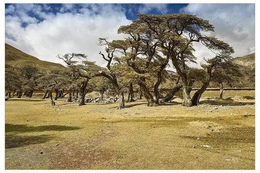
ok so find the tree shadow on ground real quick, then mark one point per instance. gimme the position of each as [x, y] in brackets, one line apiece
[14, 141]
[170, 103]
[249, 97]
[226, 102]
[26, 128]
[25, 99]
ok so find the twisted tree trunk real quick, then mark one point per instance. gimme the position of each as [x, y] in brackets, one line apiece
[171, 94]
[197, 95]
[148, 96]
[83, 92]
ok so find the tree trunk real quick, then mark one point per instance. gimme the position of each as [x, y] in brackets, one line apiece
[148, 96]
[221, 89]
[51, 98]
[19, 93]
[14, 93]
[197, 95]
[70, 96]
[8, 94]
[102, 95]
[171, 94]
[30, 94]
[45, 94]
[77, 95]
[130, 93]
[186, 96]
[61, 93]
[56, 94]
[83, 92]
[121, 100]
[140, 94]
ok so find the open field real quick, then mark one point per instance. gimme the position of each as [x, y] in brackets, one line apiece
[218, 134]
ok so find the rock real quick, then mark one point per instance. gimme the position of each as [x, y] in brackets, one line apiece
[228, 159]
[246, 115]
[57, 145]
[41, 152]
[206, 146]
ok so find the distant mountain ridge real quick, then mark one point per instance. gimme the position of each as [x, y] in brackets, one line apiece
[17, 58]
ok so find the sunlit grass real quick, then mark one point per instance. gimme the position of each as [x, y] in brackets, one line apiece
[97, 136]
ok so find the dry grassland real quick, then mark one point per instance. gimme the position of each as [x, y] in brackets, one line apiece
[218, 134]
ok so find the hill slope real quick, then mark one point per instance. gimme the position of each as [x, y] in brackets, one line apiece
[246, 61]
[247, 67]
[15, 57]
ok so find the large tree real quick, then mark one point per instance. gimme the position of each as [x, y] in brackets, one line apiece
[80, 74]
[174, 35]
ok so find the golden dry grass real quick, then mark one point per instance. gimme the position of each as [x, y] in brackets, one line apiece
[95, 136]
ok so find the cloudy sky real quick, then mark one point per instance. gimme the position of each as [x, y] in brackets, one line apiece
[46, 30]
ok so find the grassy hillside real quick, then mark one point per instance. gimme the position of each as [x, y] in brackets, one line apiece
[246, 61]
[15, 57]
[247, 67]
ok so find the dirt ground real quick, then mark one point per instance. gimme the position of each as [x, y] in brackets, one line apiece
[218, 134]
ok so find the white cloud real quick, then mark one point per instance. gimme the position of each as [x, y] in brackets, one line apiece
[234, 24]
[162, 8]
[66, 32]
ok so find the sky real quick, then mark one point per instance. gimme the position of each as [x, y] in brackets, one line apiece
[46, 30]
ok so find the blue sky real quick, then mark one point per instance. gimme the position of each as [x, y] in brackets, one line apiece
[46, 30]
[131, 10]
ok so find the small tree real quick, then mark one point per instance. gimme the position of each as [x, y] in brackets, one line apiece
[228, 73]
[51, 81]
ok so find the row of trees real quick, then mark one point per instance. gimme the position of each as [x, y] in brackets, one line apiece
[152, 44]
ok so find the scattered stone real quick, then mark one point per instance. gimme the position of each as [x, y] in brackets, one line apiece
[198, 138]
[41, 152]
[103, 118]
[57, 145]
[209, 127]
[27, 120]
[212, 130]
[206, 146]
[193, 146]
[228, 159]
[246, 115]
